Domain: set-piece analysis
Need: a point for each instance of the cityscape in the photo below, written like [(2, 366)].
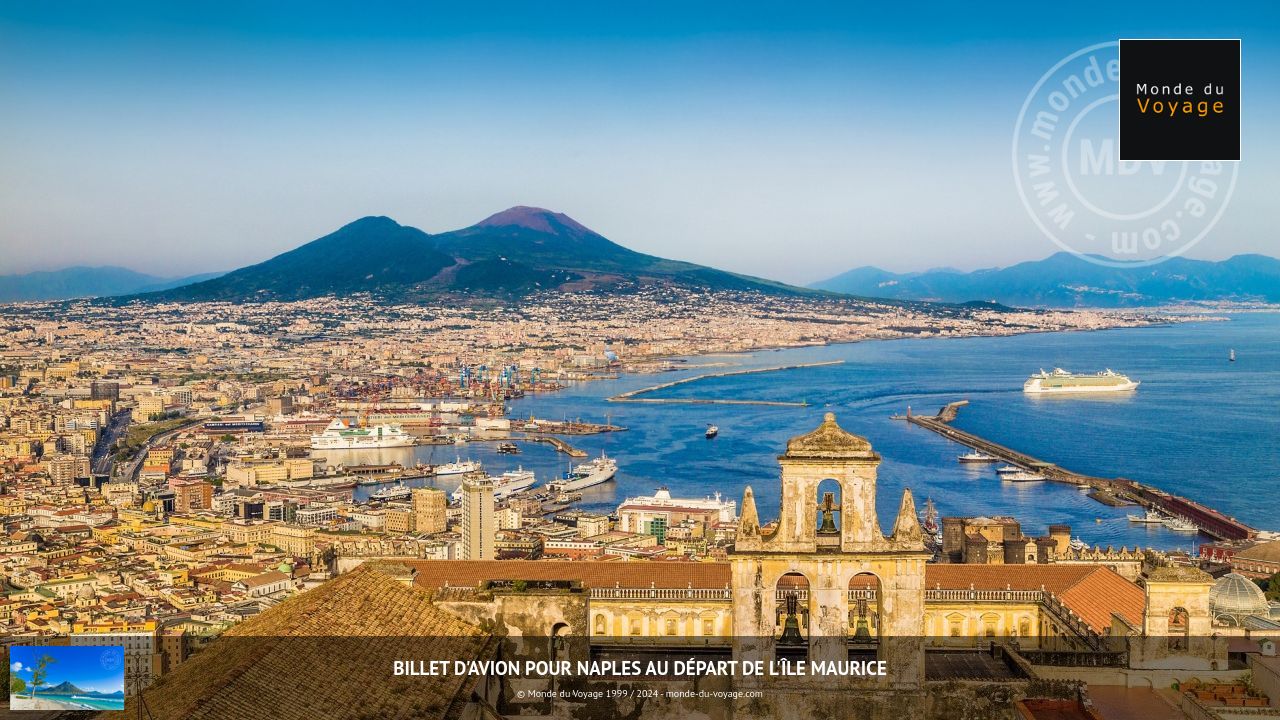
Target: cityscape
[(774, 426)]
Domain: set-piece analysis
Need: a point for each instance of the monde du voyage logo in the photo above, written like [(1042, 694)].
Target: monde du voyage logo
[(1123, 152)]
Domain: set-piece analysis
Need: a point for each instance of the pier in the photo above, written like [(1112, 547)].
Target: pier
[(634, 395), (1109, 491), (559, 445)]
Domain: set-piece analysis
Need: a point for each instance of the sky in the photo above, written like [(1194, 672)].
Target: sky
[(89, 667), (792, 141)]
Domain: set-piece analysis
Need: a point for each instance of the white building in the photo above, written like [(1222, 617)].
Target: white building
[(479, 524)]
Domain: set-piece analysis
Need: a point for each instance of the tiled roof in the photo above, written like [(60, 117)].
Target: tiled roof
[(1262, 552), (327, 653), (1091, 591)]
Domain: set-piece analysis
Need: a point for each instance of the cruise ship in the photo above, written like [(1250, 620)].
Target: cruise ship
[(341, 435), (588, 474), (1061, 381), (506, 484)]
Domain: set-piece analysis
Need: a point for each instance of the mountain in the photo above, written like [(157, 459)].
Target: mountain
[(1067, 280), (62, 688), (77, 282), (511, 253)]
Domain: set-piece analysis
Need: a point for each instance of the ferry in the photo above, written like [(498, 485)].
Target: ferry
[(1022, 476), (457, 467), (1150, 517), (340, 435), (1008, 469), (508, 448), (1062, 381), (712, 431), (977, 457), (588, 474), (399, 491), (1079, 545), (506, 484)]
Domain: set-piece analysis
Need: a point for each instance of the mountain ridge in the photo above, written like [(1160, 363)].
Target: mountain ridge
[(82, 281), (1067, 280)]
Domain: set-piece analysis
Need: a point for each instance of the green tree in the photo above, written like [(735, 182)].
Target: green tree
[(16, 684), (1272, 588), (40, 673)]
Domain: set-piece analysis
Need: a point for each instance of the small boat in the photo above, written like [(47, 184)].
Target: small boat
[(1008, 469), (1231, 357), (1022, 476), (712, 431), (1150, 516), (1180, 525), (977, 457), (930, 524), (509, 449)]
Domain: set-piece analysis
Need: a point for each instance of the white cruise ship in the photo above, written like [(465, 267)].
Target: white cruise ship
[(506, 484), (399, 491), (588, 474), (341, 435), (1061, 381), (457, 467)]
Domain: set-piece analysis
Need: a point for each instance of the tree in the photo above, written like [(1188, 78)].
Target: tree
[(1272, 588), (40, 673), (16, 684)]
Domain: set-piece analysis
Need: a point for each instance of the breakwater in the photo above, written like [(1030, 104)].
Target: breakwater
[(634, 395)]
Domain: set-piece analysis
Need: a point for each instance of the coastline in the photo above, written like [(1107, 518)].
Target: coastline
[(42, 702)]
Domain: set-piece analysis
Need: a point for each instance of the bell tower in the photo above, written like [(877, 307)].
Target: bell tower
[(860, 591)]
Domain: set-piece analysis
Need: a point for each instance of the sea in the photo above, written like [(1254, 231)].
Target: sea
[(1199, 425)]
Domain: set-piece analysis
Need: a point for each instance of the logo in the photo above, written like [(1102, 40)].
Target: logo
[(1082, 196), (111, 658)]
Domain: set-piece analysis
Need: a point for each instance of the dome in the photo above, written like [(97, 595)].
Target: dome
[(1235, 597), (830, 442), (285, 567), (148, 507)]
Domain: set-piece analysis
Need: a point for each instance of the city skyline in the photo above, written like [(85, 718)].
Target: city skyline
[(176, 141)]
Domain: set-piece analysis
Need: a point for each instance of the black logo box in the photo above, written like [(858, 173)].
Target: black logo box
[(1186, 68)]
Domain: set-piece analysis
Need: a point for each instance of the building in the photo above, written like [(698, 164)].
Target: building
[(652, 515), (191, 495), (67, 468), (429, 507), (398, 519), (479, 526)]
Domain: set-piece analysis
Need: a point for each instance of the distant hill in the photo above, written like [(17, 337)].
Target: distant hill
[(62, 688), (1066, 280), (78, 282), (512, 253)]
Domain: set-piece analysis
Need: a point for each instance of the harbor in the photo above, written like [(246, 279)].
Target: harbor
[(1110, 491)]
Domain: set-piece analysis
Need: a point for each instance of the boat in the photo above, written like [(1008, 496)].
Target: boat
[(457, 467), (1062, 381), (1150, 517), (1180, 525), (1231, 356), (1008, 469), (399, 491), (930, 524), (977, 457), (712, 431), (506, 484), (1079, 545), (1022, 476), (509, 449), (588, 474), (342, 435)]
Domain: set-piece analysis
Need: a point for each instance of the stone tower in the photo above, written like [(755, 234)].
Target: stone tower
[(841, 563)]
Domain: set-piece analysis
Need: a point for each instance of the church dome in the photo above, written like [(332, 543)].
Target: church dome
[(830, 442), (1235, 597), (148, 507)]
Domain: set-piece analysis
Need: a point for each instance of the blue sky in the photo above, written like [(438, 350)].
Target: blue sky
[(790, 141), (82, 666)]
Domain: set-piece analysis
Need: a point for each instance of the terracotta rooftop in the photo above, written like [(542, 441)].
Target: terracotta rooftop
[(1262, 552), (327, 653)]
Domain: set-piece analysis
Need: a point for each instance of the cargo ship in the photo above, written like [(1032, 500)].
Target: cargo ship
[(341, 435), (1061, 381), (588, 474)]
